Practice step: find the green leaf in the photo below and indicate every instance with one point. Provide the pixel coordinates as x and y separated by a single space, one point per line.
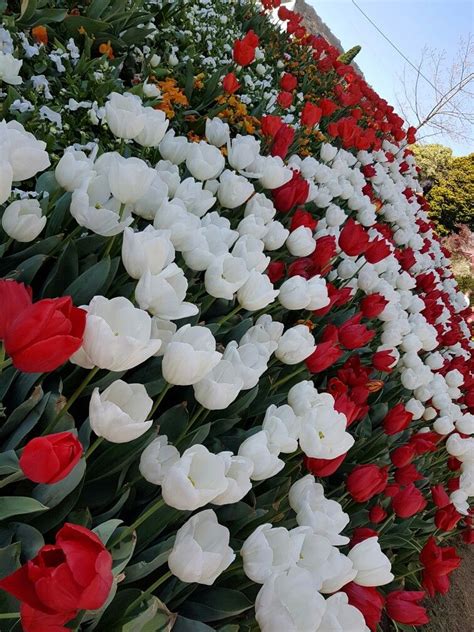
67 267
88 284
48 16
18 505
75 23
198 435
188 625
118 456
30 538
172 422
8 463
17 416
122 552
52 495
149 560
216 604
105 530
9 559
27 270
27 424
156 618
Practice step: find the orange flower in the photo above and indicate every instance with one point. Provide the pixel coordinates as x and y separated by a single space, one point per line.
40 34
375 385
106 49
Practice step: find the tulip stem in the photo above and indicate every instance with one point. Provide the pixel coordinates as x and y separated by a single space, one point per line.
9 615
94 446
72 399
140 520
229 315
16 476
159 399
288 377
149 591
413 572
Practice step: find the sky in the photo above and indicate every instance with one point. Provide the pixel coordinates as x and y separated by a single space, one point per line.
410 25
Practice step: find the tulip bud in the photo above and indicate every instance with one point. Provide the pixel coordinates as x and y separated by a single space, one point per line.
22 220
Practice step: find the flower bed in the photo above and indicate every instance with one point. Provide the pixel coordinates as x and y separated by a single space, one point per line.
237 378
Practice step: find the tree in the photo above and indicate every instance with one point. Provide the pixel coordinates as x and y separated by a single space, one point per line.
437 94
452 199
434 161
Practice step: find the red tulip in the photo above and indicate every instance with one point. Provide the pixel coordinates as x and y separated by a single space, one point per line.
244 50
360 534
402 456
285 99
407 474
366 481
353 335
353 238
403 606
282 140
438 563
323 253
14 298
276 271
324 356
323 467
396 420
368 600
408 502
45 335
303 218
49 459
439 496
377 514
291 194
230 83
372 305
72 575
310 114
377 250
447 518
288 82
270 125
383 361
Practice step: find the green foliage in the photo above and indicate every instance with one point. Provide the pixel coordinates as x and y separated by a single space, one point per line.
452 199
433 160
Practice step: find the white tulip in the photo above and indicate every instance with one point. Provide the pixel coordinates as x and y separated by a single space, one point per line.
250 361
324 516
163 294
117 336
201 551
156 459
217 132
6 180
124 115
204 161
304 396
149 249
93 207
10 69
155 125
275 236
294 293
257 292
23 220
282 428
266 332
225 276
73 168
233 190
169 173
218 388
129 179
190 355
148 204
163 330
242 151
289 602
266 551
183 226
194 480
252 225
196 199
250 249
261 206
296 344
119 413
323 433
300 242
26 155
272 170
340 616
372 566
238 470
328 152
265 460
174 148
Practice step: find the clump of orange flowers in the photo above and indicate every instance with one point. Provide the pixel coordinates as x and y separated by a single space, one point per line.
106 49
40 34
235 112
171 95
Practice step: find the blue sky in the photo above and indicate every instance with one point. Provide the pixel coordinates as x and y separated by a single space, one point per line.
410 25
